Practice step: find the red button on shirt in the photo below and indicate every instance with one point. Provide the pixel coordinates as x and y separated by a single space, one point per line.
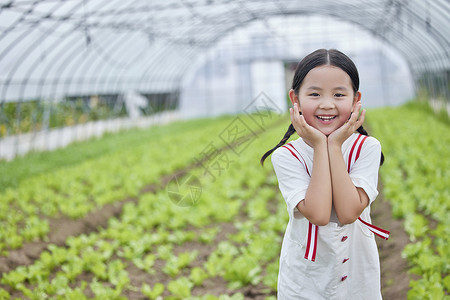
344 238
345 260
343 278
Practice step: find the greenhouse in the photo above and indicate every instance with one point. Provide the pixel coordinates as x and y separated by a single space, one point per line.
131 134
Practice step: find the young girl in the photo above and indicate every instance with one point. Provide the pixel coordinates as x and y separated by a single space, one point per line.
328 178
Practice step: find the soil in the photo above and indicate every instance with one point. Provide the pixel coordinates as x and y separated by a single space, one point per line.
60 230
394 276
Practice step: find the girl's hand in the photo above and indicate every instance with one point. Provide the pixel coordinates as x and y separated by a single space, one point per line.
345 131
309 134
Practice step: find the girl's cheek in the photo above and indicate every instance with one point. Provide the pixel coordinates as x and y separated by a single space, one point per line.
308 119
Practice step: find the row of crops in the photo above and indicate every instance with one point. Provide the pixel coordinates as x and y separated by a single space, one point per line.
76 190
156 247
214 230
416 182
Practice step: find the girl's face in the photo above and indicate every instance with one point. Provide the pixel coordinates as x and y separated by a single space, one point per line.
326 98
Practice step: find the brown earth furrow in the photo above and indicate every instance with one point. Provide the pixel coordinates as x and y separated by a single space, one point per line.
394 268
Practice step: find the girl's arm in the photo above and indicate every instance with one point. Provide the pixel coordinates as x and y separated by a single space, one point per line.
316 206
349 201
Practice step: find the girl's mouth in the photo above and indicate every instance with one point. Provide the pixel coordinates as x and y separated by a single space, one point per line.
326 118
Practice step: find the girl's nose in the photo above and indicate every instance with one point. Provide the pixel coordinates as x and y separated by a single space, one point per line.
327 103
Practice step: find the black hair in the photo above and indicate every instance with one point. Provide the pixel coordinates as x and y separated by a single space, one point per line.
318 58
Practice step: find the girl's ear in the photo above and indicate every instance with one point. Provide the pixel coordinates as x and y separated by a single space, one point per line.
294 97
356 99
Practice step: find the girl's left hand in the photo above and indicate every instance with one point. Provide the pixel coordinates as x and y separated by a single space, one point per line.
345 131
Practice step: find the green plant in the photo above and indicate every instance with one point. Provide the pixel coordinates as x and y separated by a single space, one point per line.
180 288
154 293
242 271
198 275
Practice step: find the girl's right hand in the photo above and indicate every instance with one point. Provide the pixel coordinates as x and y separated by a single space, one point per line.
309 134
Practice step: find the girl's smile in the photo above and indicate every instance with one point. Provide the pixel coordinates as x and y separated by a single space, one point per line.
325 119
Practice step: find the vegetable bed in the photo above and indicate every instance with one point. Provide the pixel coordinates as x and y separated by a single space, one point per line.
142 253
199 217
416 182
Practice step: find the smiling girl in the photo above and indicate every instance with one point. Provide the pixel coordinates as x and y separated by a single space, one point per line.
328 178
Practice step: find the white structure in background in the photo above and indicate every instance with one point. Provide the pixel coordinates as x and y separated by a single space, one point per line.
55 138
249 61
268 77
134 102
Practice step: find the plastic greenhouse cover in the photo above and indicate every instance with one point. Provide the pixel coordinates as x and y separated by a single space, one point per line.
53 48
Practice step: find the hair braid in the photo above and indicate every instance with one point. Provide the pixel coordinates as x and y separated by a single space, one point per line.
287 135
364 132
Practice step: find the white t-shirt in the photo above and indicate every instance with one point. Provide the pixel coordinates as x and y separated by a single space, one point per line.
331 261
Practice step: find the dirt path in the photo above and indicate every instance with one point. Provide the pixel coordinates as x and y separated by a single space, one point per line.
394 276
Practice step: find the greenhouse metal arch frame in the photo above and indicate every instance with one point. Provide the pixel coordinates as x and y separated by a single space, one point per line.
51 48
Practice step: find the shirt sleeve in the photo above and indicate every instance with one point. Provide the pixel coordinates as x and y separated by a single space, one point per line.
293 180
364 172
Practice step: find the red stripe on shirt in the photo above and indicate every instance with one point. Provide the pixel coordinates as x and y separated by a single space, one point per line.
292 153
359 148
382 233
308 244
304 162
351 153
315 243
312 240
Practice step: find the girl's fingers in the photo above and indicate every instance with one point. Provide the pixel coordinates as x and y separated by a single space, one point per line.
296 111
361 118
302 122
355 118
298 120
295 114
292 113
355 114
293 117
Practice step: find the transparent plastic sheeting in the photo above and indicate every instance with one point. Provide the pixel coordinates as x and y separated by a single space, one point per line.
51 48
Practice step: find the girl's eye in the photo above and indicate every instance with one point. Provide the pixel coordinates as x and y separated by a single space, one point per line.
314 94
339 95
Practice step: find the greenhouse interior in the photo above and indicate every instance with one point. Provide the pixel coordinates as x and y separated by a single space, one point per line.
127 130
